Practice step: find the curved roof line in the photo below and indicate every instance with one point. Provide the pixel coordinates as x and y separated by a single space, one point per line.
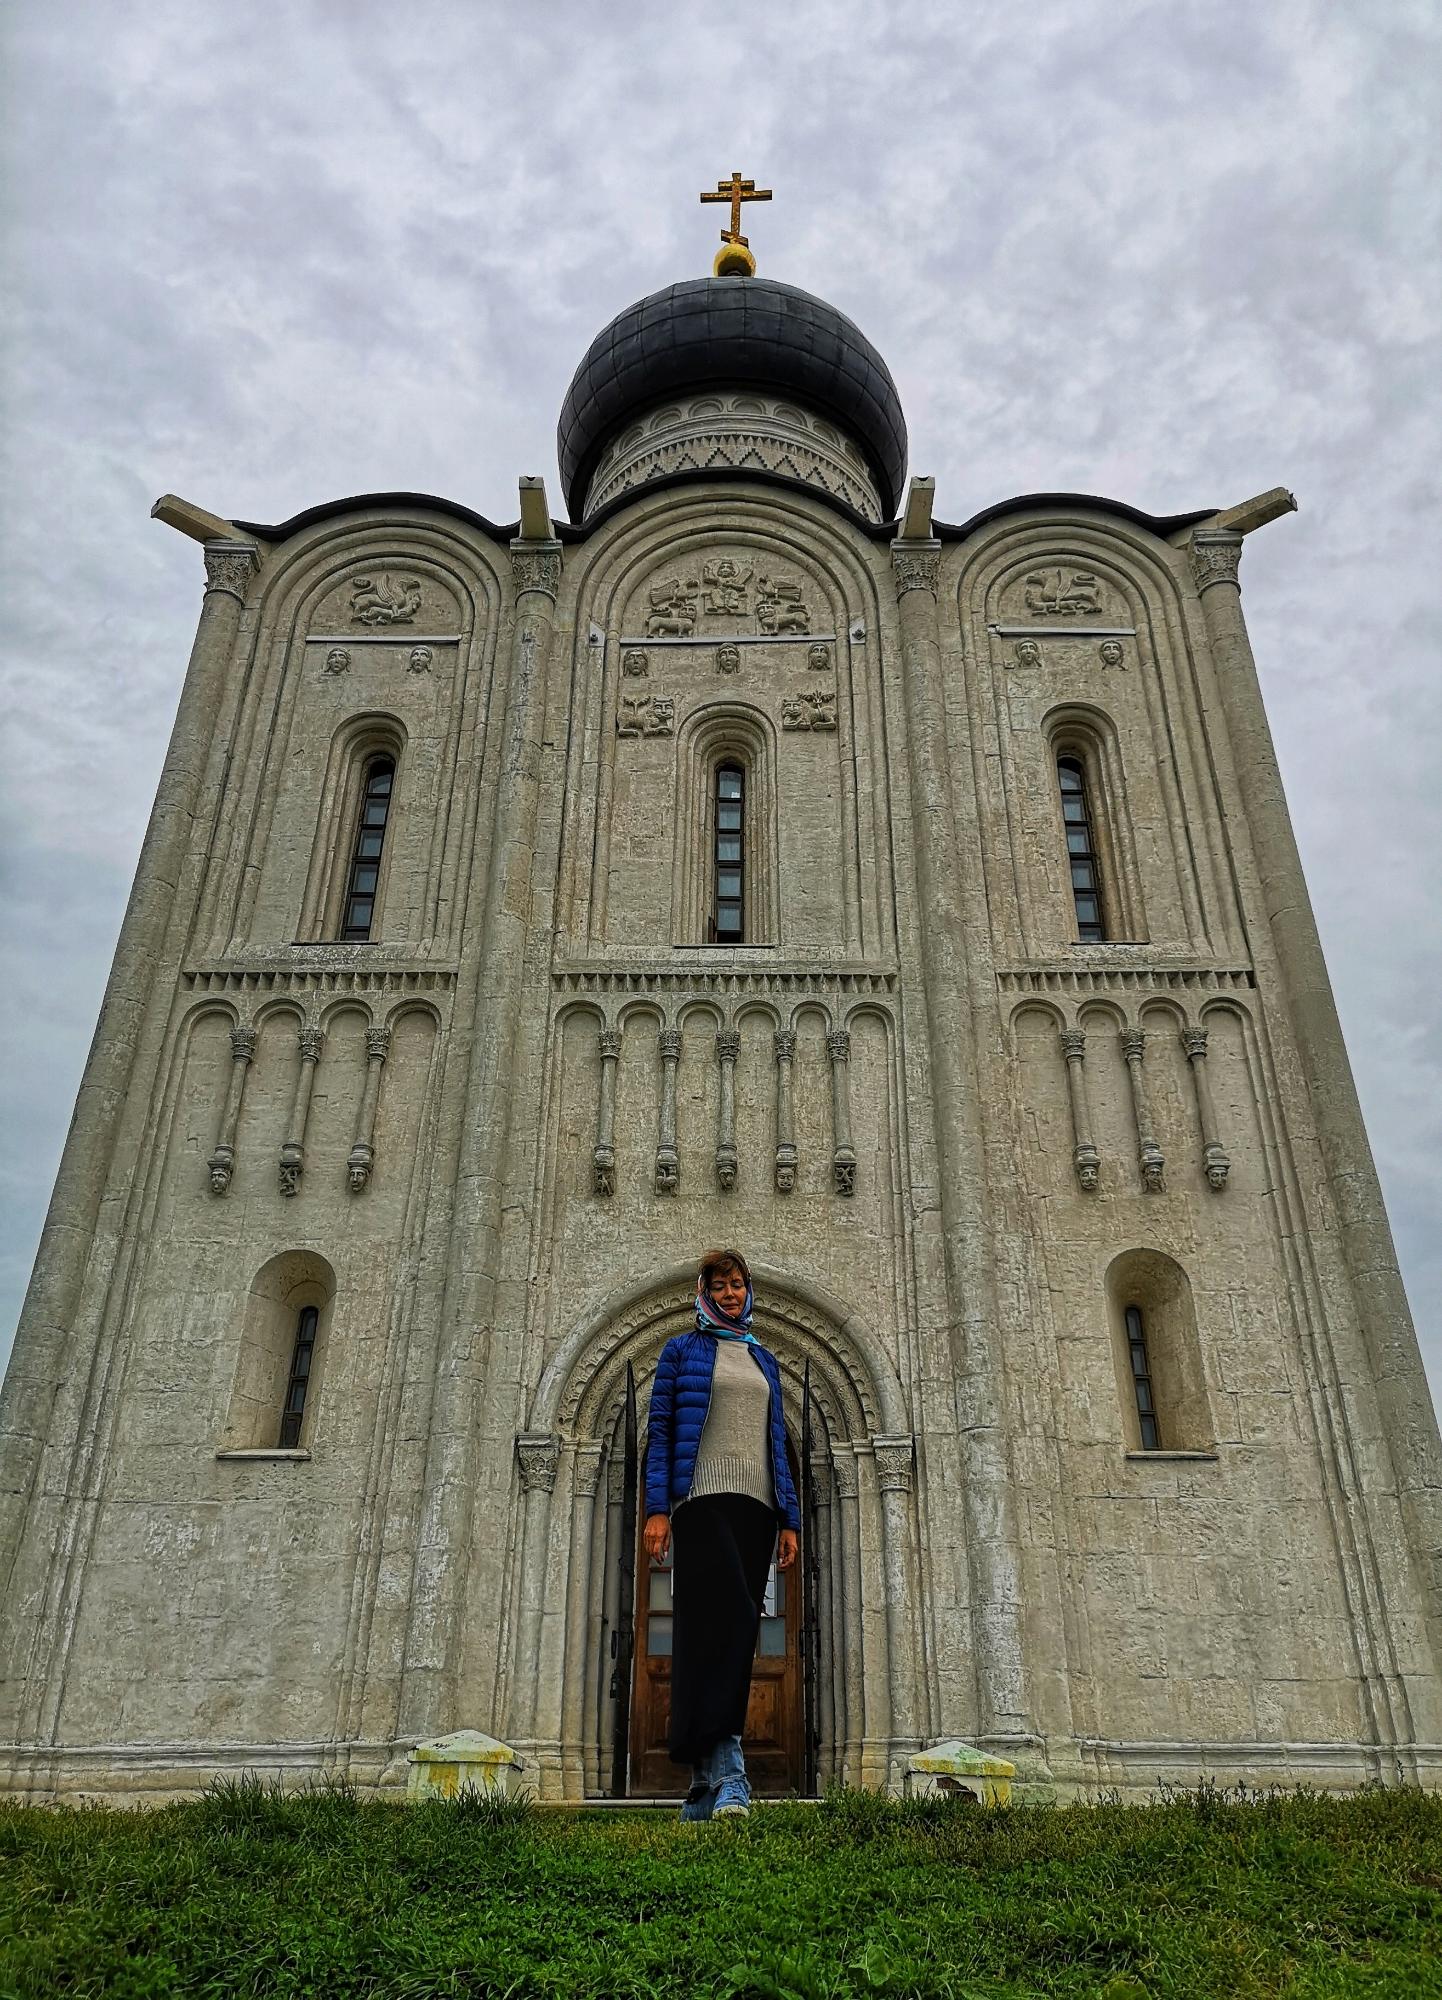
1161 525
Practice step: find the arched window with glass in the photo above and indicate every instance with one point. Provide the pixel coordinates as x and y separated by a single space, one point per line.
363 880
292 1415
1081 847
1147 1424
728 920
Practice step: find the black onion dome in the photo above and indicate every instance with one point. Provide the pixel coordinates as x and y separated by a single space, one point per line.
735 333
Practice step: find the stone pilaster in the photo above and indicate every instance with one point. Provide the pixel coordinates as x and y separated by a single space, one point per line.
668 1159
363 1152
221 1164
292 1153
843 1153
1215 1162
728 1048
1150 1158
603 1153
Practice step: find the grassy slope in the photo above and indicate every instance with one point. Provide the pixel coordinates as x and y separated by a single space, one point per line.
248 1892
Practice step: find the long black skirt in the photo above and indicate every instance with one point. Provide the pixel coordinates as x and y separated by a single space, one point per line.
722 1545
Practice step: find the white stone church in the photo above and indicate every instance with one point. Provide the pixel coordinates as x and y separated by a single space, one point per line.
753 859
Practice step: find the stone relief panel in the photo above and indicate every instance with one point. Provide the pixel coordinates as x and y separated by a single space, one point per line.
727 592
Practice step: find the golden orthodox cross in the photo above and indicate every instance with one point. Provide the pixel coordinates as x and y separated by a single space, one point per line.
736 191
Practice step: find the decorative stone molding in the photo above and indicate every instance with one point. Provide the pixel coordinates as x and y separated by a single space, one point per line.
292 1152
1086 1160
668 1160
813 708
362 1153
221 1164
229 567
701 977
538 1458
603 1154
646 715
1149 1153
843 1472
747 432
536 568
589 1466
894 1458
1216 1164
1215 556
786 1154
843 1153
914 568
728 1048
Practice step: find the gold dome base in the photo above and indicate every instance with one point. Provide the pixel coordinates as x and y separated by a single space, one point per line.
734 260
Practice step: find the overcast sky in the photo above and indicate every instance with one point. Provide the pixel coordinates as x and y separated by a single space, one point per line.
264 257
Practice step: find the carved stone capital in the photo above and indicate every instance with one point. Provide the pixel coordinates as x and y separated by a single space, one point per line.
1217 1166
843 1471
1153 1166
1194 1042
785 1045
358 1168
229 566
1214 557
726 1168
785 1174
1074 1044
1088 1165
292 1166
588 1469
668 1172
914 568
728 1044
610 1044
603 1170
242 1044
538 1457
378 1044
312 1042
1134 1042
220 1167
536 567
893 1457
843 1173
838 1045
670 1041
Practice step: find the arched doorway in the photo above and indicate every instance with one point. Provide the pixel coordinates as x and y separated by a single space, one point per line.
582 1704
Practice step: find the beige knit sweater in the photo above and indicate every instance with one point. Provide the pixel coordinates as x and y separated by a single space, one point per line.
734 1455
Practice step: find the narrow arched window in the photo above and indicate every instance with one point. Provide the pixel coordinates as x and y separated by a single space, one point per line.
306 1326
1081 850
728 922
365 868
1142 1380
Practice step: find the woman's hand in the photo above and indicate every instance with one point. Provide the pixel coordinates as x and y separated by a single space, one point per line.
786 1553
657 1536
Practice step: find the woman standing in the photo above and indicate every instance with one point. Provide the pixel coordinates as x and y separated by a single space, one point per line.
717 1480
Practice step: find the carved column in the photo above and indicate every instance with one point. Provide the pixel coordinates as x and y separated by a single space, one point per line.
848 1599
843 1153
51 1374
363 1152
292 1153
818 1556
668 1159
603 1157
1149 1152
538 1456
587 1477
728 1048
993 1548
490 1006
1214 1156
1085 1157
893 1458
786 1155
222 1160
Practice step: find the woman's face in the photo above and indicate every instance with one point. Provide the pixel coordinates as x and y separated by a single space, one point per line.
728 1288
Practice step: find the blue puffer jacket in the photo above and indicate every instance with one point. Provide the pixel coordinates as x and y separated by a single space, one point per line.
680 1398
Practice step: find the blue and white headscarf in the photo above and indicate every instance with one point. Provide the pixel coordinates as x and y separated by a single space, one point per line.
711 1319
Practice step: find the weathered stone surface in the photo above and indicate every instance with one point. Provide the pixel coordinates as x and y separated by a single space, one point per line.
886 1097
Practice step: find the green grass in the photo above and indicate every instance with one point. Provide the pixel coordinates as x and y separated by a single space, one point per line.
251 1891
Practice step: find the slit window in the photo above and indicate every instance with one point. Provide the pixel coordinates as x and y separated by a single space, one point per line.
365 868
1081 850
1142 1380
307 1323
728 925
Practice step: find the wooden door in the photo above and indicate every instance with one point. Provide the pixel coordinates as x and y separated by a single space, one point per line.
772 1738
